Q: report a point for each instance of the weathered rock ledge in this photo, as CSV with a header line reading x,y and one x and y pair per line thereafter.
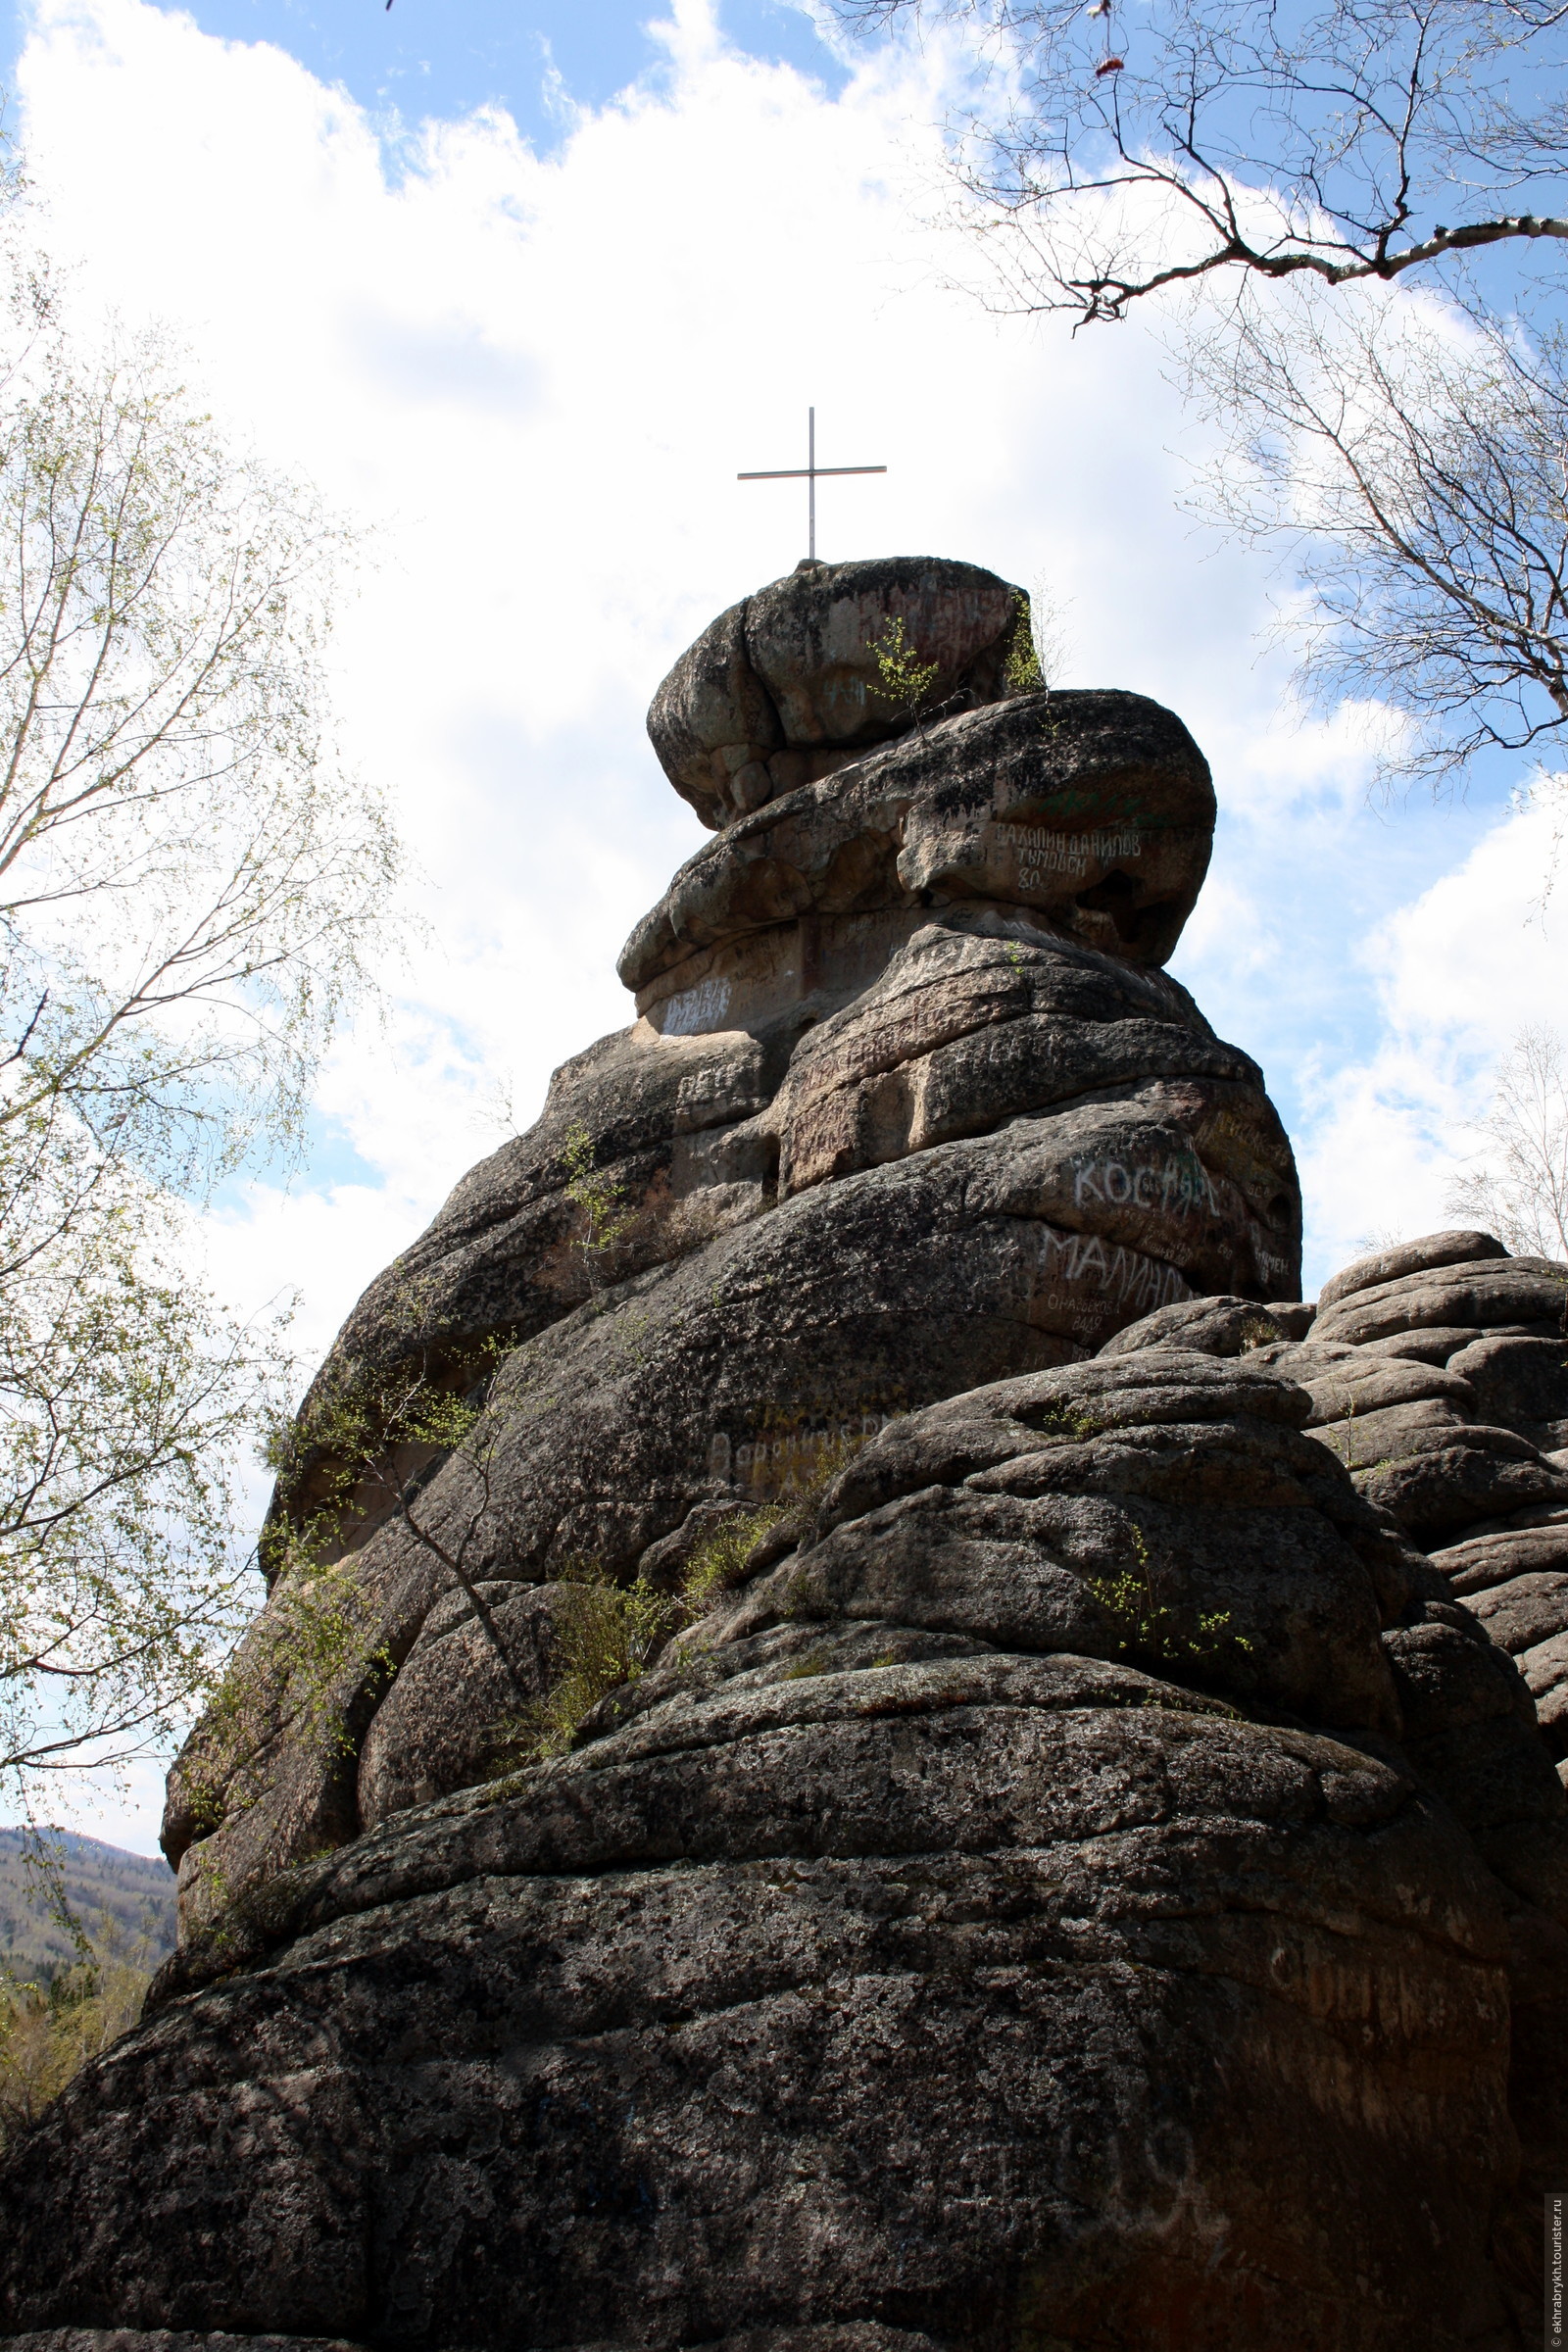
x,y
904,1909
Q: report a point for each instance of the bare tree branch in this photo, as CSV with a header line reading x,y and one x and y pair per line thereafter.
x,y
1413,458
1107,157
1517,1183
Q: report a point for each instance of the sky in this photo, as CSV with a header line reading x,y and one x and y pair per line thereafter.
x,y
522,287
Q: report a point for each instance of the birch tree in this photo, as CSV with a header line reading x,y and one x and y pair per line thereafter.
x,y
1516,1181
1410,460
192,887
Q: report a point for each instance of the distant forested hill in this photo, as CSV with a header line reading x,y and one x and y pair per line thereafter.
x,y
130,1897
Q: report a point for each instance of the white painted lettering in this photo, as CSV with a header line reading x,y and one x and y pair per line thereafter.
x,y
697,1009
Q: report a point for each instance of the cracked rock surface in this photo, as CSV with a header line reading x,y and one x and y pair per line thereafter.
x,y
974,1924
910,1106
1091,1875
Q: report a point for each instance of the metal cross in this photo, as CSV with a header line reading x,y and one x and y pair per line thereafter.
x,y
809,474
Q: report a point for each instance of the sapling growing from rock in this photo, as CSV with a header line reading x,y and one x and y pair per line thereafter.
x,y
362,1451
607,1636
1021,671
600,1198
906,680
721,1557
1147,1626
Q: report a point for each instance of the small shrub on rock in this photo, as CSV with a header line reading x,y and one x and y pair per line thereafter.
x,y
606,1634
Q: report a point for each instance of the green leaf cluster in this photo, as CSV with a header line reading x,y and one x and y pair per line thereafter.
x,y
1022,672
720,1559
906,680
1147,1627
193,886
126,1397
606,1636
600,1198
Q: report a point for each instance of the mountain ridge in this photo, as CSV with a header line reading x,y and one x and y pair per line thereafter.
x,y
110,1891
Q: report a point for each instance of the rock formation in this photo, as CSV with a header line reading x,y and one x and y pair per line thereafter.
x,y
1085,1867
909,1106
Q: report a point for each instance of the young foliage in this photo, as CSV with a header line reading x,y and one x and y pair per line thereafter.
x,y
600,1199
906,680
357,1455
1022,672
125,1398
49,2032
313,1634
189,880
190,887
606,1635
1146,1626
717,1561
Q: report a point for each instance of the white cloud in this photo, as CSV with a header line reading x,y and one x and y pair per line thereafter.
x,y
1230,927
1457,973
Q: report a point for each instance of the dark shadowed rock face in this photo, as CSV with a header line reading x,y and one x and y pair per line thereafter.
x,y
971,1927
171,2339
1093,1880
1437,1376
1431,1254
1093,808
1209,1326
1441,1380
910,1107
705,1377
1518,1295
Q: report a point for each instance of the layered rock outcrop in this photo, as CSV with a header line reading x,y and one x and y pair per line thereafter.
x,y
1439,1375
1087,1871
909,1106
